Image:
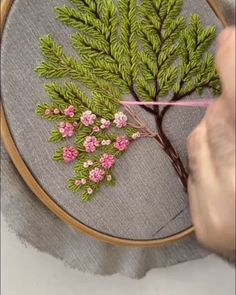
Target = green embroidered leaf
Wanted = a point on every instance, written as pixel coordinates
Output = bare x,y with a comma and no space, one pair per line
129,45
55,136
58,154
145,49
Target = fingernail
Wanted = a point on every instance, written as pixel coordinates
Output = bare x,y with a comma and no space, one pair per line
224,36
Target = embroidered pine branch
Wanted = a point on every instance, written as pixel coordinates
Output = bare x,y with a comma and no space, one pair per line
149,51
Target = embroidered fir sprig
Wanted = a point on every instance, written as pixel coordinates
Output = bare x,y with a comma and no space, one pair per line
147,50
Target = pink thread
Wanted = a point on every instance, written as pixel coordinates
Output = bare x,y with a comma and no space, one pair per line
185,103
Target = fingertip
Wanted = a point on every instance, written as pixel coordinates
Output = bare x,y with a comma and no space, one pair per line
224,36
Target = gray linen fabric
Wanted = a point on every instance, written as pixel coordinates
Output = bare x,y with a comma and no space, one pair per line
134,211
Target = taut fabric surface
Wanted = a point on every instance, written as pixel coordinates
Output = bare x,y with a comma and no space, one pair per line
136,216
147,193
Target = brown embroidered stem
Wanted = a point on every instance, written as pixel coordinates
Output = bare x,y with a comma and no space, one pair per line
135,96
172,154
139,124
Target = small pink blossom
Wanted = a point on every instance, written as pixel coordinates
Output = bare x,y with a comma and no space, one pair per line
62,124
56,111
105,142
96,129
75,124
87,118
96,175
121,143
105,124
66,129
90,144
83,180
120,119
109,177
87,164
89,190
107,161
69,112
47,112
136,135
77,182
70,153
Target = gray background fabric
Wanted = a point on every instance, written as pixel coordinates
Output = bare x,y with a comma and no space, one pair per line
36,225
147,193
24,212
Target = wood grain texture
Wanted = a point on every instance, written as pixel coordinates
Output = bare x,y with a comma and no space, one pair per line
48,201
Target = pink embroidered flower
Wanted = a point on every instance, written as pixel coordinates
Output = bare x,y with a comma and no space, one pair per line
96,129
70,153
121,143
87,164
105,124
69,112
83,180
109,177
75,124
66,129
105,142
120,120
136,135
56,111
47,112
77,182
107,161
90,144
96,175
90,162
89,190
87,118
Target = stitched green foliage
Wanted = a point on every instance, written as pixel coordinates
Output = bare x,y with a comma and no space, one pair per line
147,50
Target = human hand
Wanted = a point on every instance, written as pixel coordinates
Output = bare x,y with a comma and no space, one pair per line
211,152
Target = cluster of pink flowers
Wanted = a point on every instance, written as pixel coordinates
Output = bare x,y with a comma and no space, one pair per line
121,143
87,118
90,144
69,112
107,161
105,124
96,175
120,120
67,129
70,153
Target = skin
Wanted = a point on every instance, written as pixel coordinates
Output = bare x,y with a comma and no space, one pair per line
211,153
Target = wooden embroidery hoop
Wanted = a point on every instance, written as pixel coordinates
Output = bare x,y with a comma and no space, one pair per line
48,201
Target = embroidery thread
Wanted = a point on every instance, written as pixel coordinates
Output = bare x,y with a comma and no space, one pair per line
149,51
